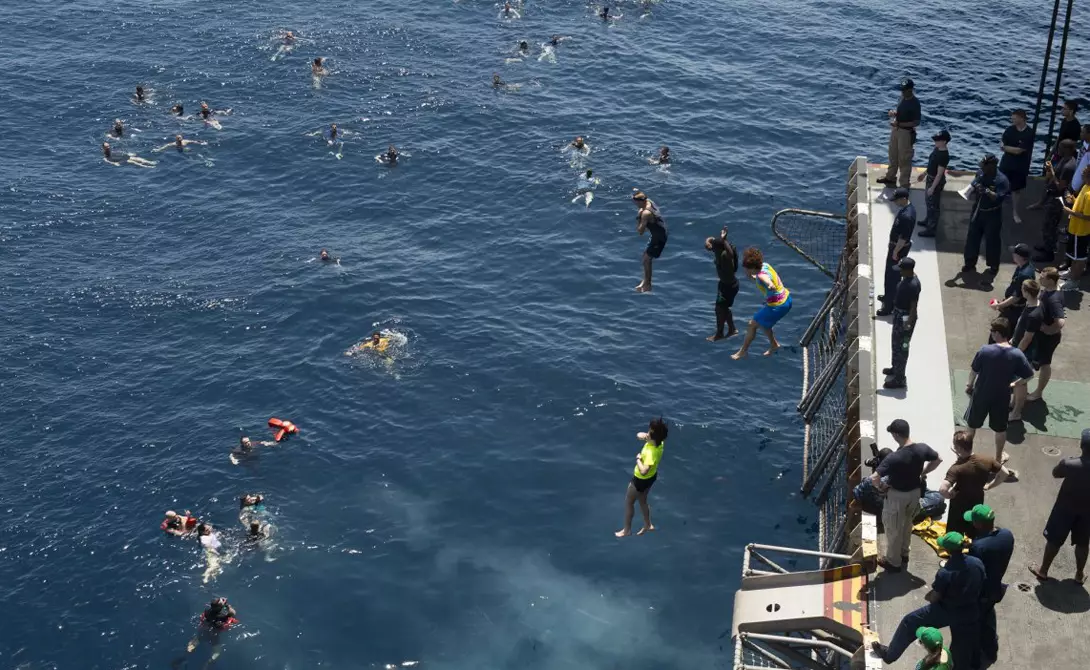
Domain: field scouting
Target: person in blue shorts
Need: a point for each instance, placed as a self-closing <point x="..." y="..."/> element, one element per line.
<point x="777" y="301"/>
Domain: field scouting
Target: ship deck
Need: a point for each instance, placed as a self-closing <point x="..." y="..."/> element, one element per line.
<point x="1044" y="622"/>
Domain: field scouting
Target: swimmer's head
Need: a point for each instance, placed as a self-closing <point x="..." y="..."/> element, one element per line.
<point x="318" y="62"/>
<point x="203" y="529"/>
<point x="139" y="91"/>
<point x="578" y="142"/>
<point x="495" y="77"/>
<point x="106" y="149"/>
<point x="392" y="151"/>
<point x="709" y="243"/>
<point x="554" y="40"/>
<point x="178" y="141"/>
<point x="244" y="442"/>
<point x="255" y="527"/>
<point x="639" y="198"/>
<point x="178" y="109"/>
<point x="376" y="336"/>
<point x="656" y="430"/>
<point x="204" y="105"/>
<point x="524" y="44"/>
<point x="665" y="150"/>
<point x="171" y="514"/>
<point x="324" y="255"/>
<point x="218" y="603"/>
<point x="289" y="34"/>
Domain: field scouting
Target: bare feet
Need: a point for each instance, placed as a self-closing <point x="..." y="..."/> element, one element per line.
<point x="1039" y="574"/>
<point x="716" y="337"/>
<point x="771" y="350"/>
<point x="623" y="532"/>
<point x="191" y="646"/>
<point x="645" y="529"/>
<point x="739" y="355"/>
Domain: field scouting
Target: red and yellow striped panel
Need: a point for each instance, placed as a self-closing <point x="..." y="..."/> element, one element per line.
<point x="845" y="600"/>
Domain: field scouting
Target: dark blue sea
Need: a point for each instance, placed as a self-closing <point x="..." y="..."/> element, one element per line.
<point x="456" y="504"/>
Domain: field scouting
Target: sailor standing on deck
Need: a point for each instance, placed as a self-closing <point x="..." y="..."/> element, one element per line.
<point x="902" y="135"/>
<point x="904" y="323"/>
<point x="990" y="188"/>
<point x="898" y="476"/>
<point x="994" y="547"/>
<point x="900" y="243"/>
<point x="937" y="163"/>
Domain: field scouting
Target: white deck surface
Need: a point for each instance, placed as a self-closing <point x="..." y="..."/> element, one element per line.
<point x="926" y="404"/>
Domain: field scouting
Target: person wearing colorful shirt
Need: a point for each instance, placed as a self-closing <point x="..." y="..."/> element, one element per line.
<point x="643" y="476"/>
<point x="938" y="656"/>
<point x="777" y="301"/>
<point x="1078" y="234"/>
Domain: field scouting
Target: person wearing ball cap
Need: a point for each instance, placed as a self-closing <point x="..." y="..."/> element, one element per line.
<point x="906" y="298"/>
<point x="954" y="601"/>
<point x="938" y="656"/>
<point x="902" y="135"/>
<point x="994" y="547"/>
<point x="900" y="244"/>
<point x="990" y="189"/>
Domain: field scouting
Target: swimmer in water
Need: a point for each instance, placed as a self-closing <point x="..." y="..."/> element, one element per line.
<point x="177" y="110"/>
<point x="390" y="157"/>
<point x="246" y="447"/>
<point x="604" y="14"/>
<point x="326" y="258"/>
<point x="317" y="67"/>
<point x="509" y="12"/>
<point x="584" y="189"/>
<point x="524" y="48"/>
<point x="663" y="157"/>
<point x="119" y="128"/>
<point x="257" y="532"/>
<point x="207" y="113"/>
<point x="180" y="144"/>
<point x="377" y="343"/>
<point x="578" y="144"/>
<point x="217" y="618"/>
<point x="210" y="541"/>
<point x="250" y="504"/>
<point x="118" y="158"/>
<point x="178" y="525"/>
<point x="497" y="82"/>
<point x="139" y="96"/>
<point x="555" y="40"/>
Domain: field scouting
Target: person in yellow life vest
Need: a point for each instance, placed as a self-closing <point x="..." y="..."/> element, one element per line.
<point x="377" y="342"/>
<point x="643" y="476"/>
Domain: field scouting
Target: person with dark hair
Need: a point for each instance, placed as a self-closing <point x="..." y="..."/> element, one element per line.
<point x="317" y="67"/>
<point x="117" y="158"/>
<point x="1070" y="515"/>
<point x="663" y="158"/>
<point x="937" y="163"/>
<point x="1078" y="234"/>
<point x="649" y="219"/>
<point x="866" y="496"/>
<point x="1069" y="127"/>
<point x="1017" y="147"/>
<point x="954" y="601"/>
<point x="643" y="476"/>
<point x="218" y="617"/>
<point x="726" y="266"/>
<point x="900" y="243"/>
<point x="1053" y="320"/>
<point x="967" y="480"/>
<point x="904" y="323"/>
<point x="990" y="188"/>
<point x="902" y="135"/>
<point x="1010" y="307"/>
<point x="989" y="386"/>
<point x="139" y="96"/>
<point x="1059" y="173"/>
<point x="898" y="476"/>
<point x="777" y="301"/>
<point x="938" y="656"/>
<point x="994" y="547"/>
<point x="178" y="109"/>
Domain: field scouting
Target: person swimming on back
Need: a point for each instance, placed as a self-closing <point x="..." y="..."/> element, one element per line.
<point x="555" y="40"/>
<point x="118" y="158"/>
<point x="288" y="38"/>
<point x="206" y="111"/>
<point x="208" y="537"/>
<point x="179" y="143"/>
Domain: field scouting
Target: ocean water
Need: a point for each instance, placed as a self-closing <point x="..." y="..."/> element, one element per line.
<point x="455" y="506"/>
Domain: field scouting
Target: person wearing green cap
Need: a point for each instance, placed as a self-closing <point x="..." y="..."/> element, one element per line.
<point x="954" y="601"/>
<point x="994" y="547"/>
<point x="938" y="656"/>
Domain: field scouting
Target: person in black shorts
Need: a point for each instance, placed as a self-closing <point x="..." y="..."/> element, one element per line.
<point x="726" y="266"/>
<point x="649" y="219"/>
<point x="1017" y="146"/>
<point x="994" y="367"/>
<point x="1070" y="515"/>
<point x="1053" y="319"/>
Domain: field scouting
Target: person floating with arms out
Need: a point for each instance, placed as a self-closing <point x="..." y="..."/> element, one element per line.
<point x="245" y="448"/>
<point x="649" y="219"/>
<point x="726" y="266"/>
<point x="643" y="476"/>
<point x="777" y="301"/>
<point x="180" y="144"/>
<point x="118" y="158"/>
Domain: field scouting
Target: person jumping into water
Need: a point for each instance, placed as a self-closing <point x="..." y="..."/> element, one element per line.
<point x="643" y="476"/>
<point x="179" y="144"/>
<point x="726" y="266"/>
<point x="648" y="218"/>
<point x="777" y="301"/>
<point x="118" y="158"/>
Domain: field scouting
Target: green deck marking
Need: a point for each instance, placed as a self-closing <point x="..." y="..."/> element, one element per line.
<point x="1063" y="412"/>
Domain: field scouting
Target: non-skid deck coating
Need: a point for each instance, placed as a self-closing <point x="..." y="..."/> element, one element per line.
<point x="1040" y="625"/>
